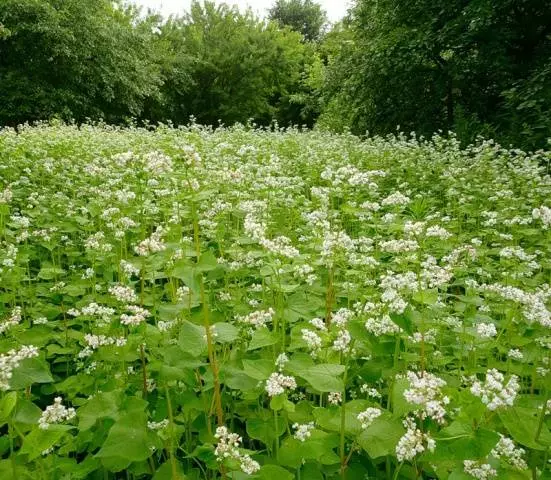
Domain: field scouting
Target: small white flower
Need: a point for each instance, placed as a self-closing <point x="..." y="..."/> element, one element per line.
<point x="304" y="431"/>
<point x="367" y="417"/>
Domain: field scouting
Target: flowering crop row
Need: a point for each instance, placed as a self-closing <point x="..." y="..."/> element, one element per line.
<point x="197" y="304"/>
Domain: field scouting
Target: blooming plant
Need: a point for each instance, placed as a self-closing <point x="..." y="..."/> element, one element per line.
<point x="241" y="303"/>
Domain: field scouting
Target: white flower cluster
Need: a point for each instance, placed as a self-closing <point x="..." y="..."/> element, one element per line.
<point x="128" y="269"/>
<point x="486" y="330"/>
<point x="281" y="360"/>
<point x="506" y="450"/>
<point x="280" y="245"/>
<point x="123" y="293"/>
<point x="544" y="214"/>
<point x="304" y="431"/>
<point x="367" y="417"/>
<point x="382" y="326"/>
<point x="153" y="244"/>
<point x="257" y="319"/>
<point x="156" y="426"/>
<point x="370" y="391"/>
<point x="478" y="470"/>
<point x="313" y="341"/>
<point x="228" y="448"/>
<point x="6" y="195"/>
<point x="102" y="313"/>
<point x="424" y="390"/>
<point x="534" y="308"/>
<point x="342" y="342"/>
<point x="93" y="342"/>
<point x="413" y="442"/>
<point x="13" y="319"/>
<point x="11" y="360"/>
<point x="335" y="243"/>
<point x="334" y="398"/>
<point x="157" y="163"/>
<point x="10" y="256"/>
<point x="138" y="315"/>
<point x="493" y="392"/>
<point x="97" y="242"/>
<point x="395" y="199"/>
<point x="515" y="354"/>
<point x="277" y="383"/>
<point x="516" y="252"/>
<point x="55" y="413"/>
<point x="318" y="323"/>
<point x="398" y="246"/>
<point x="438" y="232"/>
<point x="183" y="293"/>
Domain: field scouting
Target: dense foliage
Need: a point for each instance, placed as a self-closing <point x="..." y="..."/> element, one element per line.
<point x="73" y="59"/>
<point x="97" y="59"/>
<point x="303" y="16"/>
<point x="474" y="67"/>
<point x="183" y="303"/>
<point x="228" y="67"/>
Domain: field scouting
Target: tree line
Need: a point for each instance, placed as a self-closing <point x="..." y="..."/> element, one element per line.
<point x="474" y="67"/>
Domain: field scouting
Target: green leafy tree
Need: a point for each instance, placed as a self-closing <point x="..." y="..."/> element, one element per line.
<point x="304" y="16"/>
<point x="227" y="66"/>
<point x="74" y="59"/>
<point x="428" y="65"/>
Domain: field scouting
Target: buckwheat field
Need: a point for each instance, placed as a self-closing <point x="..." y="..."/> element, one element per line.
<point x="246" y="304"/>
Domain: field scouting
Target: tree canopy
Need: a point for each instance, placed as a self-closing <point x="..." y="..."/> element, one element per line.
<point x="304" y="16"/>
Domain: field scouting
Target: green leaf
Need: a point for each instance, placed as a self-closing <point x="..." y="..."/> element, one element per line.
<point x="39" y="440"/>
<point x="207" y="262"/>
<point x="272" y="472"/>
<point x="323" y="377"/>
<point x="192" y="339"/>
<point x="167" y="471"/>
<point x="126" y="442"/>
<point x="259" y="369"/>
<point x="400" y="405"/>
<point x="262" y="338"/>
<point x="31" y="370"/>
<point x="522" y="423"/>
<point x="264" y="429"/>
<point x="330" y="418"/>
<point x="459" y="441"/>
<point x="381" y="437"/>
<point x="225" y="332"/>
<point x="49" y="273"/>
<point x="7" y="405"/>
<point x="101" y="405"/>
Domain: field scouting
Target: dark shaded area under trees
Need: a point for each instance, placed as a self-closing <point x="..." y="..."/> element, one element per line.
<point x="474" y="67"/>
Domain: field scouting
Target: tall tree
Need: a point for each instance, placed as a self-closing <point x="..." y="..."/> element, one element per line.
<point x="227" y="66"/>
<point x="304" y="16"/>
<point x="75" y="59"/>
<point x="443" y="64"/>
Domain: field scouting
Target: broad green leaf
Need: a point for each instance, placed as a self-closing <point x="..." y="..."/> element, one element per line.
<point x="263" y="429"/>
<point x="381" y="437"/>
<point x="192" y="339"/>
<point x="30" y="371"/>
<point x="40" y="440"/>
<point x="259" y="369"/>
<point x="126" y="442"/>
<point x="522" y="424"/>
<point x="272" y="472"/>
<point x="323" y="377"/>
<point x="7" y="405"/>
<point x="225" y="332"/>
<point x="169" y="471"/>
<point x="101" y="405"/>
<point x="262" y="338"/>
